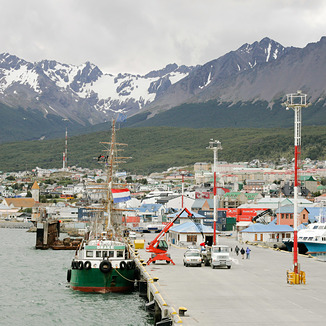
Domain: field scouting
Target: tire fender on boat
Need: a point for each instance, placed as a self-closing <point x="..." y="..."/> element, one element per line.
<point x="87" y="265"/>
<point x="68" y="275"/>
<point x="105" y="266"/>
<point x="80" y="265"/>
<point x="130" y="265"/>
<point x="123" y="265"/>
<point x="73" y="265"/>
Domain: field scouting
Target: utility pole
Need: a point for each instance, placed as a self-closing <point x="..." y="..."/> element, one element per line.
<point x="296" y="101"/>
<point x="182" y="188"/>
<point x="65" y="153"/>
<point x="215" y="145"/>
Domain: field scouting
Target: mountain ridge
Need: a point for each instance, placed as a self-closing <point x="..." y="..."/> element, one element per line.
<point x="83" y="97"/>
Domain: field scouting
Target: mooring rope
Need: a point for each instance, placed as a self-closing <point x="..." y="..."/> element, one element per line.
<point x="127" y="279"/>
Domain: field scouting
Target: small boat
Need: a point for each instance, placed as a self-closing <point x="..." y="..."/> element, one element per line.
<point x="67" y="244"/>
<point x="102" y="266"/>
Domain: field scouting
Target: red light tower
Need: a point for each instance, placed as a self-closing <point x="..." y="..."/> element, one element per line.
<point x="296" y="101"/>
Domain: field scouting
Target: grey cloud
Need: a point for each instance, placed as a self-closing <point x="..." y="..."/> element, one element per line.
<point x="138" y="36"/>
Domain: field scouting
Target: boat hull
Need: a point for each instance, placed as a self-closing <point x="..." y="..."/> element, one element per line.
<point x="315" y="248"/>
<point x="93" y="280"/>
<point x="301" y="247"/>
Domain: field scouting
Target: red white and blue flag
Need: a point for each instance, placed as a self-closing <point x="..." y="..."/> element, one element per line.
<point x="120" y="195"/>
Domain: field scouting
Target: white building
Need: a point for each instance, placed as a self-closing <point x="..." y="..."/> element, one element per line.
<point x="270" y="233"/>
<point x="61" y="212"/>
<point x="189" y="233"/>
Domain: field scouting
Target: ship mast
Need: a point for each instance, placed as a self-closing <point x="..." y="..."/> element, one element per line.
<point x="111" y="161"/>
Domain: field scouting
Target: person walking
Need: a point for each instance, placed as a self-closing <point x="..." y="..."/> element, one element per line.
<point x="242" y="251"/>
<point x="237" y="249"/>
<point x="248" y="253"/>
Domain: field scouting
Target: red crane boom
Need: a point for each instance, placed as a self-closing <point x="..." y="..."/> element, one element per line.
<point x="159" y="247"/>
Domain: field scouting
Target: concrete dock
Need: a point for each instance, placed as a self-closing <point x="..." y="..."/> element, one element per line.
<point x="253" y="292"/>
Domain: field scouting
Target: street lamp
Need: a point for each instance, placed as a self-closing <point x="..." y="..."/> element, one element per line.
<point x="214" y="145"/>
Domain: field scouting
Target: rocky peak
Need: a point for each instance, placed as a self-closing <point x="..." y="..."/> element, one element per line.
<point x="8" y="61"/>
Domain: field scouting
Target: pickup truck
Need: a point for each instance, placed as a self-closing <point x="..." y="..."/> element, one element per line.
<point x="217" y="256"/>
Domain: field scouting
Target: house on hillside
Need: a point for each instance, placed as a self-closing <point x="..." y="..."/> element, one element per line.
<point x="20" y="203"/>
<point x="202" y="205"/>
<point x="12" y="207"/>
<point x="254" y="185"/>
<point x="309" y="182"/>
<point x="321" y="198"/>
<point x="151" y="212"/>
<point x="61" y="211"/>
<point x="175" y="202"/>
<point x="235" y="199"/>
<point x="8" y="213"/>
<point x="183" y="218"/>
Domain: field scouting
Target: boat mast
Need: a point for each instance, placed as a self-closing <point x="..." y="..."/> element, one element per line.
<point x="111" y="162"/>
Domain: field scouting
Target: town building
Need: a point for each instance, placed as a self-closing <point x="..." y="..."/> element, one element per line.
<point x="270" y="233"/>
<point x="189" y="233"/>
<point x="285" y="215"/>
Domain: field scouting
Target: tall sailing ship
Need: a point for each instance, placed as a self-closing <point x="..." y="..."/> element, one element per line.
<point x="102" y="262"/>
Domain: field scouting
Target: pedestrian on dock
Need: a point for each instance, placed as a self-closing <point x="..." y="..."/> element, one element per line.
<point x="242" y="251"/>
<point x="237" y="249"/>
<point x="248" y="253"/>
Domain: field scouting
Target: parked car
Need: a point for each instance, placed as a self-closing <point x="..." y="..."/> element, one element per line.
<point x="192" y="257"/>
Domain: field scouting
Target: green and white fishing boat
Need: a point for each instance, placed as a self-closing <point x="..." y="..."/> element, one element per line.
<point x="102" y="262"/>
<point x="102" y="266"/>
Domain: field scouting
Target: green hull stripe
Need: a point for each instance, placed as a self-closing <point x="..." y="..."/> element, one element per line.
<point x="94" y="278"/>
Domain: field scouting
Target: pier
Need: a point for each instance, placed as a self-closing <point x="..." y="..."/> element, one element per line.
<point x="253" y="292"/>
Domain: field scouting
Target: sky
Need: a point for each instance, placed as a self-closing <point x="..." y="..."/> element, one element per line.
<point x="138" y="36"/>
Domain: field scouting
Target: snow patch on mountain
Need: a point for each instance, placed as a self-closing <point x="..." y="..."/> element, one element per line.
<point x="23" y="75"/>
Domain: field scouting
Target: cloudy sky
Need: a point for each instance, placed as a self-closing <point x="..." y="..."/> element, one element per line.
<point x="138" y="36"/>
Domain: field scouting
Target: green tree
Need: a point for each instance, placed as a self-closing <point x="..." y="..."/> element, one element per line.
<point x="143" y="181"/>
<point x="29" y="194"/>
<point x="129" y="179"/>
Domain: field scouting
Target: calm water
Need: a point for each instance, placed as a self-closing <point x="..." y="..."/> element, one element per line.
<point x="33" y="290"/>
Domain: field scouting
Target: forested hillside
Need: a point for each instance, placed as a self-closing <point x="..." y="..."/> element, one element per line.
<point x="213" y="114"/>
<point x="155" y="149"/>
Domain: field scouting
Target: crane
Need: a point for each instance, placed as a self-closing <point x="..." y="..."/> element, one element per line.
<point x="159" y="247"/>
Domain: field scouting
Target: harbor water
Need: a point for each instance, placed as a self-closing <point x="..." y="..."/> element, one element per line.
<point x="34" y="289"/>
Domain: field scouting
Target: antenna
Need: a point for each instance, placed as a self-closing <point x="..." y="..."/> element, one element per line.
<point x="65" y="153"/>
<point x="66" y="148"/>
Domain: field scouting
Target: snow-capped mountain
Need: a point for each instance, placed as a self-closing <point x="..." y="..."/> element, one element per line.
<point x="80" y="93"/>
<point x="204" y="82"/>
<point x="46" y="93"/>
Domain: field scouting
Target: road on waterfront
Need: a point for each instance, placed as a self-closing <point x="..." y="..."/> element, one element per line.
<point x="253" y="292"/>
